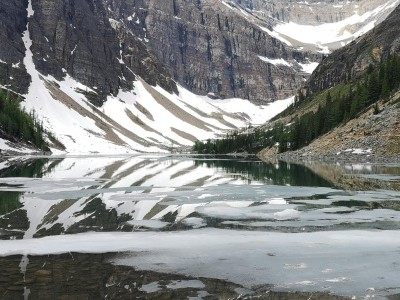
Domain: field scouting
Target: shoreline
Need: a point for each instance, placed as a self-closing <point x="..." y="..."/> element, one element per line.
<point x="341" y="157"/>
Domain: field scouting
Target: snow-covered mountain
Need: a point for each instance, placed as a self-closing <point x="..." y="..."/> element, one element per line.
<point x="317" y="25"/>
<point x="145" y="118"/>
<point x="108" y="76"/>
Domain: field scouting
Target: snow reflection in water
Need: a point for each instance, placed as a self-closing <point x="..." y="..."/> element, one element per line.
<point x="161" y="192"/>
<point x="213" y="198"/>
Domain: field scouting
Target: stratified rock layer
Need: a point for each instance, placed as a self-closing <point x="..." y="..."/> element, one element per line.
<point x="208" y="46"/>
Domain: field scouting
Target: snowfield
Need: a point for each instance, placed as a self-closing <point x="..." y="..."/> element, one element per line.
<point x="146" y="119"/>
<point x="329" y="36"/>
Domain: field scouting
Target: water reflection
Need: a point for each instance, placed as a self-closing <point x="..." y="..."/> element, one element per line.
<point x="9" y="201"/>
<point x="50" y="196"/>
<point x="30" y="168"/>
<point x="279" y="173"/>
<point x="249" y="221"/>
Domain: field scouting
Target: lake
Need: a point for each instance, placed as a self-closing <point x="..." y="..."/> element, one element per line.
<point x="197" y="227"/>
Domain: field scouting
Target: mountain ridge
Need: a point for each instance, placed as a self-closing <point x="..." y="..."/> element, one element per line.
<point x="118" y="70"/>
<point x="352" y="116"/>
<point x="368" y="69"/>
<point x="353" y="59"/>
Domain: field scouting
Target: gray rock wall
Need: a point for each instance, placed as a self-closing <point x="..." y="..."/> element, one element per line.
<point x="75" y="38"/>
<point x="204" y="45"/>
<point x="12" y="50"/>
<point x="310" y="12"/>
<point x="208" y="48"/>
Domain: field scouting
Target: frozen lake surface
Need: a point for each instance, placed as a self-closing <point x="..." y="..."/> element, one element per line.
<point x="288" y="227"/>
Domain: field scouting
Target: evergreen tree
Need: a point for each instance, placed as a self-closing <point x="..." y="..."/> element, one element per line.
<point x="17" y="123"/>
<point x="374" y="89"/>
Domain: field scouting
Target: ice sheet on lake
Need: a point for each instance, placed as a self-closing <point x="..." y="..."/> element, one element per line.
<point x="149" y="188"/>
<point x="362" y="259"/>
<point x="159" y="194"/>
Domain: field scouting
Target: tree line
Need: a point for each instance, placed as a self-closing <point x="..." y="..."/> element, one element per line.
<point x="250" y="140"/>
<point x="377" y="83"/>
<point x="19" y="124"/>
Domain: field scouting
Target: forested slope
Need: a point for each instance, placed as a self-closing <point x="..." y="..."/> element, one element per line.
<point x="17" y="125"/>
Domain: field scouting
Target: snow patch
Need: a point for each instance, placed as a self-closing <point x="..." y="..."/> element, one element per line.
<point x="227" y="5"/>
<point x="329" y="33"/>
<point x="275" y="61"/>
<point x="309" y="67"/>
<point x="276" y="35"/>
<point x="358" y="151"/>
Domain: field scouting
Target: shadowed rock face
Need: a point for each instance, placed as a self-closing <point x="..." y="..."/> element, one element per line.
<point x="92" y="48"/>
<point x="212" y="46"/>
<point x="12" y="49"/>
<point x="75" y="38"/>
<point x="103" y="43"/>
<point x="209" y="48"/>
<point x="127" y="18"/>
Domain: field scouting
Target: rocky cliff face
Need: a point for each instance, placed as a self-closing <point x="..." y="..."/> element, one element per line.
<point x="221" y="47"/>
<point x="12" y="50"/>
<point x="78" y="39"/>
<point x="208" y="48"/>
<point x="312" y="12"/>
<point x="103" y="44"/>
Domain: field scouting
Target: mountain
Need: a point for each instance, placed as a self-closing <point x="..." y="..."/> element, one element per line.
<point x="357" y="89"/>
<point x="354" y="59"/>
<point x="372" y="62"/>
<point x="347" y="109"/>
<point x="116" y="76"/>
<point x="320" y="25"/>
